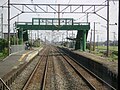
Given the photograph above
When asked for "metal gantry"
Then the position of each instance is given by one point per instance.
(62, 8)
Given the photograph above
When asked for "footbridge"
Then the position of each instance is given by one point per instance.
(55, 24)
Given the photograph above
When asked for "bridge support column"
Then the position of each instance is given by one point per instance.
(81, 40)
(84, 40)
(81, 45)
(20, 36)
(78, 42)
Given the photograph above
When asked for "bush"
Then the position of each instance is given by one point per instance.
(5, 51)
(115, 53)
(3, 44)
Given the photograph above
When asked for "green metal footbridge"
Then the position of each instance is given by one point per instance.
(55, 24)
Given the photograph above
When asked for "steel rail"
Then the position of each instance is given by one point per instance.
(34, 71)
(4, 84)
(45, 73)
(100, 79)
(91, 73)
(31, 75)
(10, 79)
(88, 83)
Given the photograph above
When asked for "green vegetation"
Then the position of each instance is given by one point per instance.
(36, 43)
(112, 48)
(3, 48)
(101, 51)
(2, 56)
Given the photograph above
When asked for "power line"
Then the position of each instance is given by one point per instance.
(55, 1)
(89, 8)
(2, 6)
(4, 3)
(69, 1)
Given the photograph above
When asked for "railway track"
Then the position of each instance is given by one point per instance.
(58, 71)
(37, 77)
(95, 82)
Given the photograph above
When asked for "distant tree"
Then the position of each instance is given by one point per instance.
(36, 43)
(3, 44)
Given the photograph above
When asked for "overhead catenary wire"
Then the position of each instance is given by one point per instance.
(69, 1)
(98, 8)
(35, 9)
(89, 8)
(5, 3)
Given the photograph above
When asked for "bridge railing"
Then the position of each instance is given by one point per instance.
(62, 22)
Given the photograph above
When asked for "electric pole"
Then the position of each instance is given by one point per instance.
(8, 27)
(94, 38)
(90, 40)
(114, 38)
(107, 27)
(1, 25)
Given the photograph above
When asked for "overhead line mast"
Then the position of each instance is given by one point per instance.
(61, 7)
(58, 15)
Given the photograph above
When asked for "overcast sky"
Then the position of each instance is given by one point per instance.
(101, 30)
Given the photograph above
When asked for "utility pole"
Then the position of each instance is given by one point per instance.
(31, 37)
(87, 17)
(22, 36)
(67, 35)
(41, 36)
(17, 30)
(94, 35)
(58, 16)
(2, 19)
(1, 25)
(90, 40)
(114, 37)
(45, 40)
(14, 35)
(37, 34)
(97, 41)
(107, 27)
(8, 27)
(17, 36)
(62, 37)
(94, 38)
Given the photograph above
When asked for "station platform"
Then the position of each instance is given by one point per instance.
(14, 60)
(111, 65)
(100, 66)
